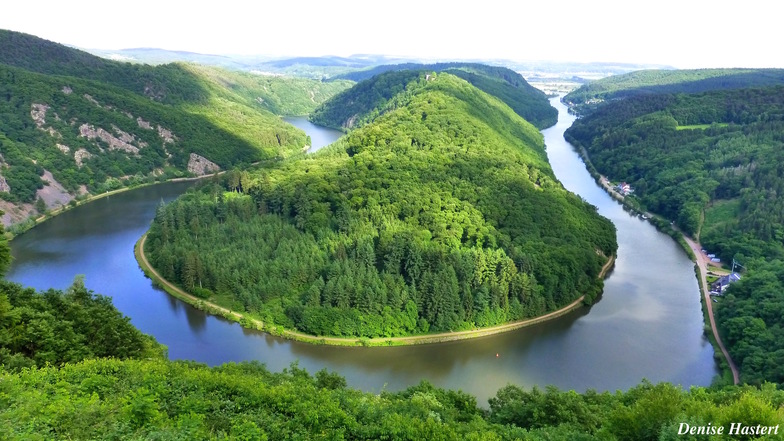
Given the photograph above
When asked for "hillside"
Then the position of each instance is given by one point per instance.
(649, 82)
(279, 95)
(713, 163)
(440, 214)
(168, 84)
(74, 124)
(379, 84)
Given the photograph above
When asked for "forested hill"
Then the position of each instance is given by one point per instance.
(169, 83)
(441, 214)
(714, 163)
(649, 82)
(379, 84)
(72, 124)
(277, 94)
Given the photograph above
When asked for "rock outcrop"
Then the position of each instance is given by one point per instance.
(80, 155)
(166, 134)
(122, 143)
(38, 113)
(199, 165)
(143, 124)
(4, 184)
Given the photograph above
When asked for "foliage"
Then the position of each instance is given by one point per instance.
(54, 93)
(133, 399)
(720, 183)
(363, 102)
(5, 252)
(55, 327)
(441, 214)
(751, 324)
(380, 84)
(277, 94)
(588, 97)
(169, 84)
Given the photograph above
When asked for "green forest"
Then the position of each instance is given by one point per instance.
(279, 95)
(712, 163)
(442, 214)
(594, 94)
(437, 212)
(167, 400)
(28, 148)
(98, 125)
(72, 367)
(359, 104)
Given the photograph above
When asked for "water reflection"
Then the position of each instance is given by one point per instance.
(320, 137)
(647, 324)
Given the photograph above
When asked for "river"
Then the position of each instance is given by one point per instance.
(648, 323)
(320, 137)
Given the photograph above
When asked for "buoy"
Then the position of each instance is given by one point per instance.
(496, 355)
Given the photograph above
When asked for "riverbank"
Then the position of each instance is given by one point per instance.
(49, 214)
(692, 249)
(252, 323)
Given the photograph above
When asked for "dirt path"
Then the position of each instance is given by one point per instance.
(702, 264)
(354, 341)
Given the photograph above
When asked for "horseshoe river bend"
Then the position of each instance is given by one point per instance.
(646, 325)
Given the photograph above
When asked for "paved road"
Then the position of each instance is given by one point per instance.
(702, 264)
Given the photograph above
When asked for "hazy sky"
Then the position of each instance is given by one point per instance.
(681, 33)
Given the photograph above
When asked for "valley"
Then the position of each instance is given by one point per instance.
(187, 239)
(668, 345)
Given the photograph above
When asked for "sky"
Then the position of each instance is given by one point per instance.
(682, 33)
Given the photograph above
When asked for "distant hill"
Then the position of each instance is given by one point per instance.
(324, 61)
(156, 56)
(381, 83)
(304, 67)
(277, 94)
(74, 124)
(649, 82)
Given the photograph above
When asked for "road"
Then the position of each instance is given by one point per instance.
(702, 264)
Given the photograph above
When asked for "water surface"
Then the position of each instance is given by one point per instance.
(648, 323)
(320, 136)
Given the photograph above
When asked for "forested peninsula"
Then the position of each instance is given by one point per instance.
(713, 163)
(72, 367)
(440, 214)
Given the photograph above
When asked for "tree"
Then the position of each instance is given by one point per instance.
(40, 205)
(5, 251)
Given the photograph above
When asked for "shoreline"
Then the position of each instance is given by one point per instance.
(692, 249)
(94, 197)
(278, 331)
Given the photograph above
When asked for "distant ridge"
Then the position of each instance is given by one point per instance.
(381, 83)
(648, 82)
